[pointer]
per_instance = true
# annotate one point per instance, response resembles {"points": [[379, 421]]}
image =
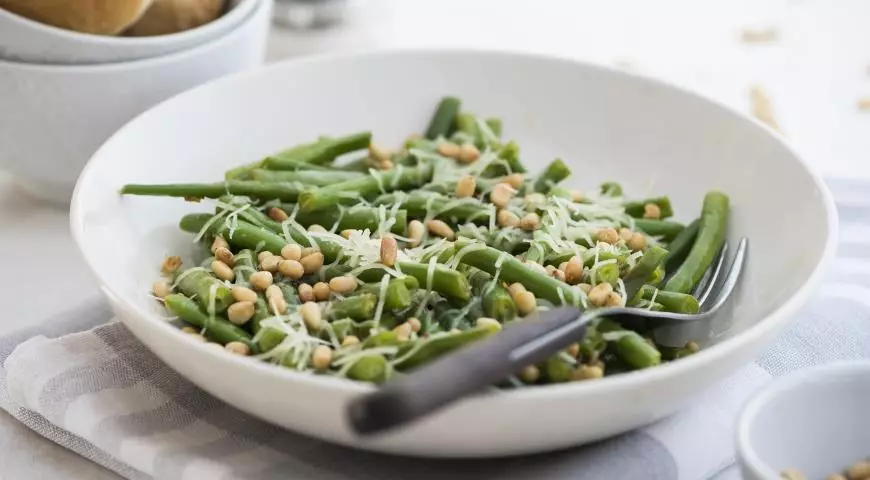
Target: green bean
{"points": [[610, 189], [496, 300], [261, 312], [287, 192], [444, 118], [416, 203], [644, 269], [494, 124], [323, 151], [311, 178], [244, 172], [242, 235], [557, 369], [444, 280], [397, 296], [428, 349], [215, 328], [399, 178], [356, 218], [608, 273], [244, 266], [555, 172], [636, 208], [681, 245], [384, 338], [635, 351], [370, 368], [200, 284], [359, 165], [512, 270], [711, 236], [361, 307], [659, 228], [671, 301]]}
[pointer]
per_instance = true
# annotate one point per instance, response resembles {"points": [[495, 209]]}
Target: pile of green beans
{"points": [[340, 257]]}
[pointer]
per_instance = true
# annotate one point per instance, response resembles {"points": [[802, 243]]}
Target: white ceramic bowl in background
{"points": [[604, 123], [53, 118], [27, 41], [814, 420]]}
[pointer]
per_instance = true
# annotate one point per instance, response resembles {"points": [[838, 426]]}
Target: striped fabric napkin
{"points": [[92, 388]]}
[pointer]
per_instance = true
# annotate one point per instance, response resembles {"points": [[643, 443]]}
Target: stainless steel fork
{"points": [[480, 365]]}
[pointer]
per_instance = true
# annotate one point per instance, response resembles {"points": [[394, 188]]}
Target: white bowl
{"points": [[814, 420], [605, 124], [27, 41], [55, 117]]}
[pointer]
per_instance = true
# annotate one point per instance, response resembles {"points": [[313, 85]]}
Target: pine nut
{"points": [[625, 234], [273, 291], [308, 251], [389, 251], [190, 330], [349, 340], [315, 228], [219, 242], [161, 288], [507, 218], [291, 251], [305, 292], [859, 471], [488, 323], [226, 256], [346, 233], [222, 271], [321, 291], [574, 270], [243, 294], [585, 287], [449, 149], [652, 211], [291, 269], [576, 196], [515, 180], [573, 349], [416, 230], [587, 372], [240, 312], [465, 187], [516, 288], [607, 235], [270, 263], [441, 229], [530, 222], [599, 293], [260, 280], [378, 154], [310, 312], [530, 374], [321, 358], [278, 214], [526, 302], [312, 263], [197, 337], [386, 165], [238, 348], [415, 324], [171, 264], [277, 304], [343, 284], [263, 255], [614, 300], [501, 195], [403, 332], [636, 242], [468, 153]]}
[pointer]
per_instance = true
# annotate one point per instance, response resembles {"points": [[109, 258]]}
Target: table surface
{"points": [[814, 74]]}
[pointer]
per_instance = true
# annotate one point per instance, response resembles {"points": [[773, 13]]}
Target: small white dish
{"points": [[814, 420], [26, 41], [607, 125], [54, 117]]}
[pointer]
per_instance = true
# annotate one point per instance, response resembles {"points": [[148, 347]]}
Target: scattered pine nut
{"points": [[465, 187], [225, 255], [859, 470], [599, 293], [310, 312], [198, 337], [161, 288], [291, 251], [190, 330], [573, 349], [558, 275], [243, 294], [530, 374], [389, 251], [587, 372], [260, 280], [263, 255], [343, 284], [489, 323], [636, 242], [240, 312], [321, 291], [576, 196], [515, 180], [864, 104], [270, 263], [312, 263], [468, 153], [585, 287], [308, 251], [516, 288], [277, 303], [573, 270], [238, 348], [349, 340], [347, 232], [416, 230], [278, 214], [219, 242], [441, 229], [386, 165], [607, 235], [614, 300], [223, 271], [507, 218], [170, 264], [403, 332], [625, 234], [502, 194], [526, 302], [291, 269], [315, 228], [449, 149], [762, 108], [305, 292], [321, 358], [530, 222], [415, 324], [378, 154], [651, 211]]}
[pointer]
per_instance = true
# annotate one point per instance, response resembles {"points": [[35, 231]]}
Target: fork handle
{"points": [[466, 371]]}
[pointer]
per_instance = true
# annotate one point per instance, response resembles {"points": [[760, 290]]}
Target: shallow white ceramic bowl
{"points": [[26, 41], [606, 124], [814, 420], [54, 117]]}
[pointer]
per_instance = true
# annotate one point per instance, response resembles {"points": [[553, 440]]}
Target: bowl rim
{"points": [[776, 388], [230, 16], [712, 355], [142, 63]]}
